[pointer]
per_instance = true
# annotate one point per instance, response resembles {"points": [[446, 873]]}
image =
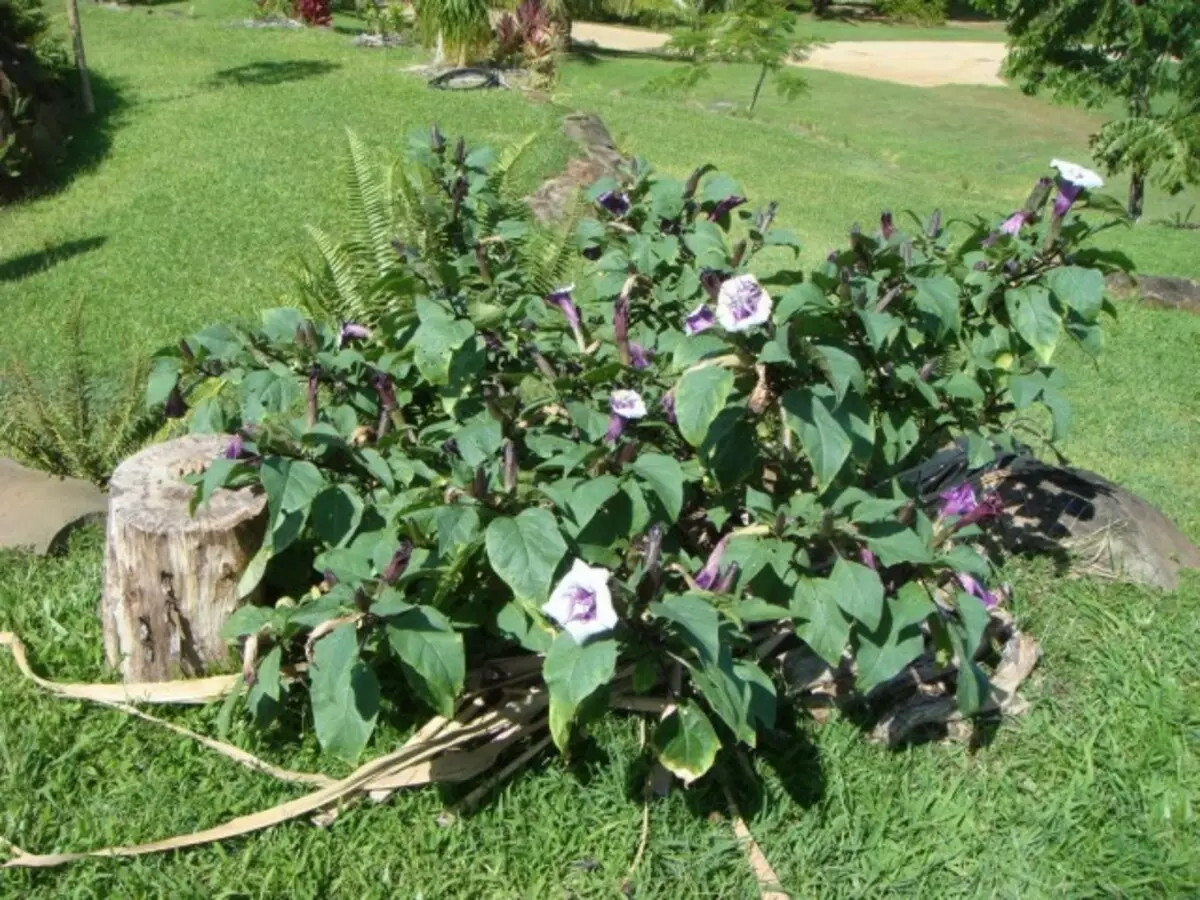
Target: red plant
{"points": [[315, 12], [532, 19], [509, 39]]}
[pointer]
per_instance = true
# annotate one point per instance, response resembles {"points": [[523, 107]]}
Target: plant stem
{"points": [[762, 76]]}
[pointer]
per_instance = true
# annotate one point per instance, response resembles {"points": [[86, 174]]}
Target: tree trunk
{"points": [[1137, 193], [85, 81], [439, 50], [762, 76], [171, 579]]}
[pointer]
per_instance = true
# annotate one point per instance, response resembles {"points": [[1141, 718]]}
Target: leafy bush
{"points": [[921, 12], [527, 38], [389, 19], [35, 97], [315, 12], [460, 27], [648, 475]]}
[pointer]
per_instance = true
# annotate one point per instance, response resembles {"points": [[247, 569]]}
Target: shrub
{"points": [[527, 38], [648, 475], [315, 12], [35, 95], [389, 19], [920, 12]]}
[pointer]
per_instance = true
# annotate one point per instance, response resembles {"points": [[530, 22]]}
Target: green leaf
{"points": [[809, 413], [1034, 319], [858, 591], [336, 514], [291, 485], [161, 381], [587, 498], [515, 622], [966, 559], [824, 628], [247, 620], [344, 694], [431, 656], [480, 441], [573, 674], [280, 325], [592, 423], [456, 525], [686, 743], [264, 695], [975, 618], [895, 544], [1079, 288], [842, 370], [938, 296], [665, 477], [378, 467], [806, 299], [964, 387], [700, 396], [729, 694], [352, 565], [884, 651], [880, 327], [698, 623], [435, 341], [525, 551]]}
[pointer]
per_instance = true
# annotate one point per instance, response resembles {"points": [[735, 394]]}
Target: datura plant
{"points": [[650, 475]]}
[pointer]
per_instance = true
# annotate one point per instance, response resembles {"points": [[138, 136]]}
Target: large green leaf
{"points": [[822, 624], [697, 621], [895, 544], [588, 497], [344, 694], [291, 487], [1079, 288], [939, 297], [1034, 319], [435, 341], [431, 655], [664, 475], [884, 651], [699, 398], [728, 693], [525, 551], [809, 413], [686, 743], [456, 525], [842, 370], [858, 591], [573, 674], [263, 698], [336, 514]]}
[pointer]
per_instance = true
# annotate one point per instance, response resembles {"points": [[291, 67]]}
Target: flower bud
{"points": [[437, 143], [399, 562], [175, 407], [510, 466]]}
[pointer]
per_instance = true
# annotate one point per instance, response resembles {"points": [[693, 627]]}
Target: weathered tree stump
{"points": [[171, 579]]}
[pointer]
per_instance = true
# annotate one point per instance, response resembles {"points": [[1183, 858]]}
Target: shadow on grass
{"points": [[273, 72], [31, 263]]}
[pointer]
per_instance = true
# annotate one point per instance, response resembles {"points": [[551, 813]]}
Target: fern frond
{"points": [[345, 300], [501, 175], [369, 198], [549, 256]]}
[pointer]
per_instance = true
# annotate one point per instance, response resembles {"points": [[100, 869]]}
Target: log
{"points": [[170, 578]]}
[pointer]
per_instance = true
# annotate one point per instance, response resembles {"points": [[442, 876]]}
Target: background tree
{"points": [[1143, 53]]}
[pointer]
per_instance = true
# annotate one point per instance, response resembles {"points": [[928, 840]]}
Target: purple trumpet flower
{"points": [[1010, 226], [639, 356], [561, 298], [724, 207], [961, 501], [352, 331], [972, 586], [743, 304], [1073, 180], [708, 577], [616, 202], [700, 319], [237, 447], [625, 406], [886, 226]]}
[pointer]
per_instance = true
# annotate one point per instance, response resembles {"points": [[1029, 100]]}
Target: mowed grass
{"points": [[195, 213]]}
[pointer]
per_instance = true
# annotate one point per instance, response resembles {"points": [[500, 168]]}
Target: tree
{"points": [[1143, 53]]}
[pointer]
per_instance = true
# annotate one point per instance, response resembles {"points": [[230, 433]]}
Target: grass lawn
{"points": [[221, 143]]}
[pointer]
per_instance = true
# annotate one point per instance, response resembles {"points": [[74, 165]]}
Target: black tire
{"points": [[468, 79]]}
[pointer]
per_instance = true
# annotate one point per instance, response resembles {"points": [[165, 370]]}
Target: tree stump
{"points": [[170, 578]]}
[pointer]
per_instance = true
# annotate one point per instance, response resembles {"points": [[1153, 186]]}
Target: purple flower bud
{"points": [[709, 575], [885, 225], [727, 581], [352, 331], [460, 151], [654, 539], [639, 356], [175, 407], [561, 298], [668, 405], [724, 207], [616, 426], [328, 579], [399, 562], [927, 370], [186, 352], [934, 229], [700, 319], [236, 447], [739, 250], [1067, 195], [711, 280], [627, 454], [868, 558], [693, 182], [479, 485], [764, 219], [1038, 196], [621, 328], [437, 143], [450, 447], [906, 253], [1013, 224], [973, 587], [593, 253], [616, 202]]}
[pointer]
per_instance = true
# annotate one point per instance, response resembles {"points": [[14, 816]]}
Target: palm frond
{"points": [[1167, 149]]}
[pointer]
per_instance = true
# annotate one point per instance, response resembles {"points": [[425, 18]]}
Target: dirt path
{"points": [[919, 63]]}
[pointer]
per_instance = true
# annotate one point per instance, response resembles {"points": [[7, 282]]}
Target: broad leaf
{"points": [[1079, 288], [827, 444], [823, 627], [939, 297], [884, 651], [525, 551], [573, 674], [665, 477], [264, 695], [697, 621], [456, 525], [842, 370], [589, 496], [336, 514], [431, 655], [858, 591], [699, 398], [895, 544], [1034, 319], [686, 743], [344, 694]]}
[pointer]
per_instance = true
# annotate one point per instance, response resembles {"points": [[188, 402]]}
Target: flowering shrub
{"points": [[315, 12], [527, 38], [647, 476]]}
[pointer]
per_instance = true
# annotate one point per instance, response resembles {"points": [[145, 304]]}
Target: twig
{"points": [[769, 886], [472, 799]]}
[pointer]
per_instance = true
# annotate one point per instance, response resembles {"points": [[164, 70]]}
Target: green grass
{"points": [[867, 29], [194, 212]]}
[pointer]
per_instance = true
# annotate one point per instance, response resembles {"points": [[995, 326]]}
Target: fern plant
{"points": [[66, 429], [406, 233]]}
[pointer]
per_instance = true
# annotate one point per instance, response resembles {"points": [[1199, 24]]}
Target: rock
{"points": [[1159, 291], [551, 201], [39, 511]]}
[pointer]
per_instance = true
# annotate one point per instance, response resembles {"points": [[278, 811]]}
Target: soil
{"points": [[917, 63]]}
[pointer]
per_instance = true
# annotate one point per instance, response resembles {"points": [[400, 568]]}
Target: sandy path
{"points": [[919, 63]]}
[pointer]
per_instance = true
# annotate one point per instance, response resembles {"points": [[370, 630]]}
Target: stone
{"points": [[1159, 291], [551, 201], [40, 511]]}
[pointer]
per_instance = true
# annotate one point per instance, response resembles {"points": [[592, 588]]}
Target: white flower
{"points": [[581, 602], [1077, 175], [627, 404], [742, 304]]}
